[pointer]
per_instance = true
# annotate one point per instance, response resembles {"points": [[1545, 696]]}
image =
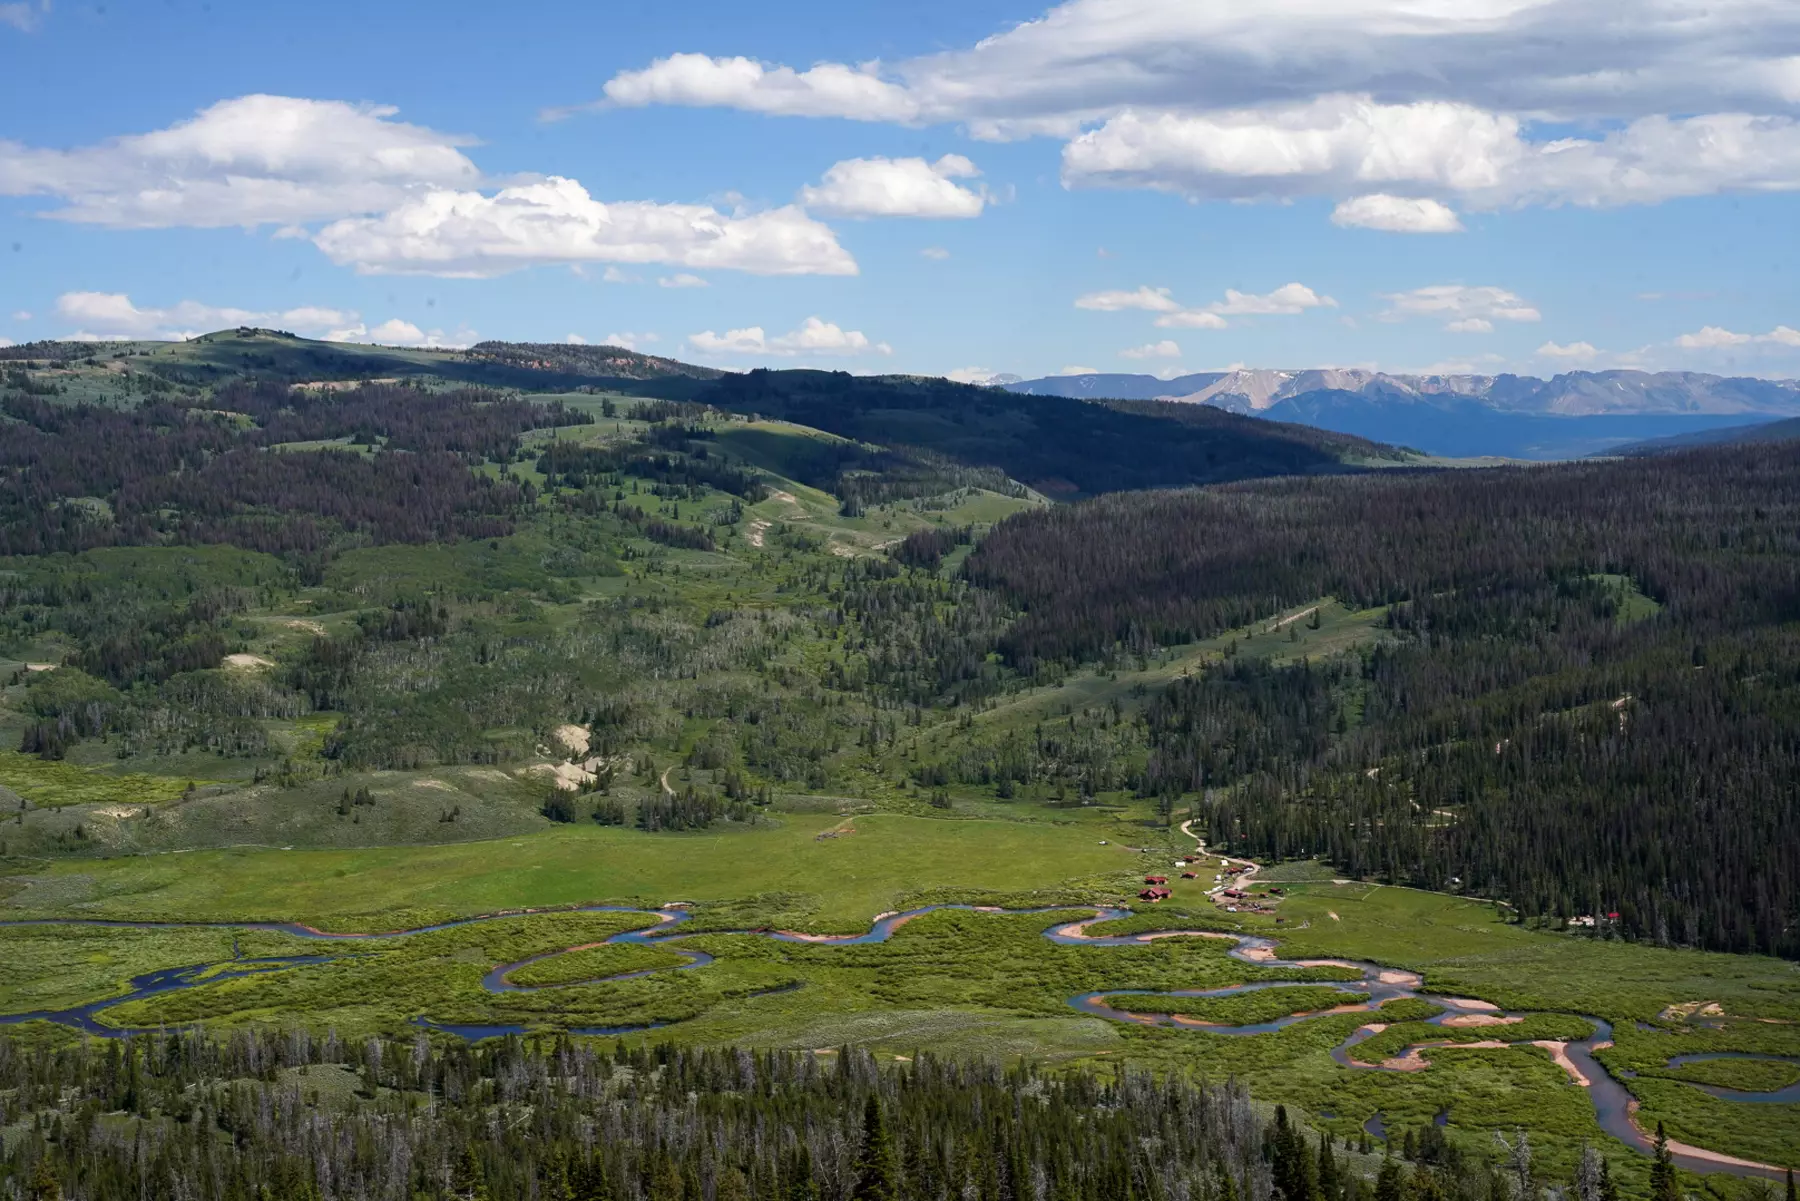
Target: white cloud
{"points": [[6, 342], [1152, 300], [1192, 319], [21, 315], [1278, 98], [1576, 351], [1713, 337], [1286, 300], [1344, 144], [899, 187], [1077, 371], [253, 160], [682, 280], [22, 16], [813, 337], [471, 234], [112, 315], [1396, 214], [1462, 309], [629, 341], [575, 340], [970, 375], [399, 198], [828, 90], [1085, 60], [612, 275], [1166, 349], [935, 253]]}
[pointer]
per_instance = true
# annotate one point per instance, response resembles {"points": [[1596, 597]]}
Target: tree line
{"points": [[310, 1117]]}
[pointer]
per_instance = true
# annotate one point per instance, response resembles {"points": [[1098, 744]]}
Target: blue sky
{"points": [[970, 187]]}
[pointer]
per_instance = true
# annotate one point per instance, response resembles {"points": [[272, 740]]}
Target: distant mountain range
{"points": [[1577, 413]]}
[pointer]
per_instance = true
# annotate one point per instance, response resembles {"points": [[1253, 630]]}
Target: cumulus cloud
{"points": [[398, 198], [1151, 300], [970, 375], [1577, 351], [1713, 337], [1345, 144], [936, 254], [112, 315], [22, 315], [1396, 214], [396, 332], [1277, 98], [23, 16], [628, 340], [250, 161], [1077, 371], [612, 275], [682, 280], [472, 234], [1462, 309], [827, 90], [1192, 319], [1286, 300], [897, 187], [1166, 349], [1088, 59], [814, 337]]}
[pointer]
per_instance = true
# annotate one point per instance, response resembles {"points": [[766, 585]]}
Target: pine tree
{"points": [[877, 1170], [1663, 1185], [1390, 1185], [1330, 1187], [44, 1185]]}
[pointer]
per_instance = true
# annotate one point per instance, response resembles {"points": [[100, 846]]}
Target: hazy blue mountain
{"points": [[1570, 415]]}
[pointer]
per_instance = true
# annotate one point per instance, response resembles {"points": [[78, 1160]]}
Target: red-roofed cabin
{"points": [[1155, 892], [1189, 876], [1236, 892], [1156, 879]]}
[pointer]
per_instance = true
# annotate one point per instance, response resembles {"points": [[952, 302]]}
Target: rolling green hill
{"points": [[1062, 447], [122, 372]]}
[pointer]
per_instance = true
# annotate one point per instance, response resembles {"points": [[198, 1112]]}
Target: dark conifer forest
{"points": [[168, 471], [1586, 701], [307, 1117]]}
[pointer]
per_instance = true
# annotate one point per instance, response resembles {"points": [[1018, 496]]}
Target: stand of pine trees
{"points": [[1585, 701], [296, 1117]]}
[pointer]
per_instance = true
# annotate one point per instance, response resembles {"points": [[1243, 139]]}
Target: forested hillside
{"points": [[1586, 701], [1061, 447]]}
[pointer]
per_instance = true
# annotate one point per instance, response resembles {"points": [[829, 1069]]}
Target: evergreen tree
{"points": [[1330, 1186], [1663, 1184], [1390, 1183], [877, 1167], [44, 1185]]}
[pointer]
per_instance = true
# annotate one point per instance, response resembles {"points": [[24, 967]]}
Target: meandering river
{"points": [[1613, 1103]]}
